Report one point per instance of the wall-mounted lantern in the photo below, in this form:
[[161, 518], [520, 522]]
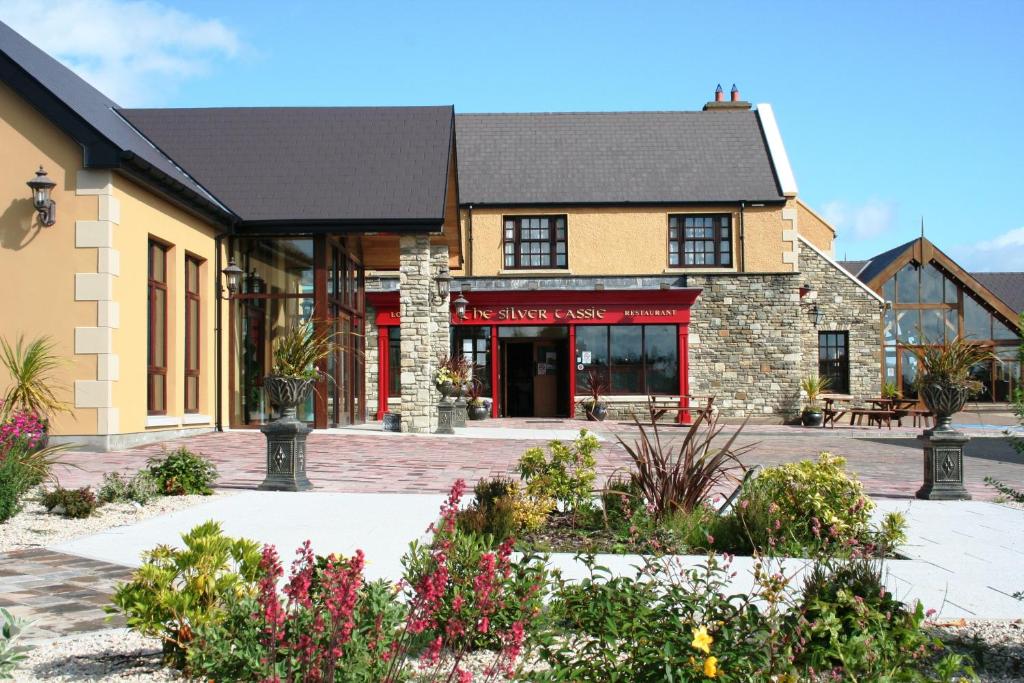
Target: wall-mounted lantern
[[460, 306], [232, 276], [41, 187], [809, 298], [444, 288]]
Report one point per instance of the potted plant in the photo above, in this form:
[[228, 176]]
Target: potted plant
[[814, 386], [31, 399], [594, 404], [944, 379], [890, 391], [452, 376], [476, 408], [294, 370]]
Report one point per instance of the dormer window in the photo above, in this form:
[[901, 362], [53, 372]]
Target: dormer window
[[699, 241]]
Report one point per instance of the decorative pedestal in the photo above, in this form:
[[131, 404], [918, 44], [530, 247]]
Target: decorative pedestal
[[445, 416], [460, 413], [286, 454], [943, 465], [392, 422]]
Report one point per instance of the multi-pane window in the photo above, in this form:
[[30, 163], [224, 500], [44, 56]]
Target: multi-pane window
[[192, 330], [473, 344], [695, 241], [156, 338], [629, 359], [535, 242], [834, 361], [394, 361]]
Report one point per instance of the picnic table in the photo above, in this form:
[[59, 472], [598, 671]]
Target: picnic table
[[687, 404]]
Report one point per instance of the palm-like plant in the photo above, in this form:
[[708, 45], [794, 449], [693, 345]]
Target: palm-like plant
[[298, 351], [671, 478], [950, 365], [814, 386], [33, 386]]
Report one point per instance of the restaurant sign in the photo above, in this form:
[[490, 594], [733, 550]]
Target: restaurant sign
[[610, 314]]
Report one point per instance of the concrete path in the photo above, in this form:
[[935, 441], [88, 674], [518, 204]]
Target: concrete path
[[966, 558]]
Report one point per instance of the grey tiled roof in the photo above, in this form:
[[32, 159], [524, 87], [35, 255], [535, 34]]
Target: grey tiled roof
[[853, 267], [876, 264], [88, 103], [303, 163], [615, 157], [1007, 286]]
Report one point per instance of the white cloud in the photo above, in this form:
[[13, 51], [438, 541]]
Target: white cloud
[[860, 221], [134, 51], [1004, 252]]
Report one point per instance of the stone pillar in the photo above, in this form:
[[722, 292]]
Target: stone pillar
[[440, 311], [419, 358]]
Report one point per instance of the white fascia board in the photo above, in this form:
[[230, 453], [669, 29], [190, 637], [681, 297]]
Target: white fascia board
[[777, 150], [844, 271]]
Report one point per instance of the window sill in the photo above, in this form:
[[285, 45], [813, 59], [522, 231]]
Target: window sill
[[536, 271], [195, 419], [162, 421], [698, 270]]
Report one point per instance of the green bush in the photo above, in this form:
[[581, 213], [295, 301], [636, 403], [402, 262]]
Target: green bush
[[805, 505], [14, 481], [567, 475], [176, 592], [73, 503], [10, 654], [183, 472], [140, 488]]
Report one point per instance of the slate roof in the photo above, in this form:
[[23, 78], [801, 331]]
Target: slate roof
[[853, 267], [614, 158], [312, 163], [89, 104], [876, 264], [1007, 286]]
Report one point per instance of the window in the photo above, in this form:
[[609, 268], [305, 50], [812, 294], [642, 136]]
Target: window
[[833, 360], [631, 359], [699, 241], [473, 343], [394, 362], [156, 339], [192, 330], [535, 242]]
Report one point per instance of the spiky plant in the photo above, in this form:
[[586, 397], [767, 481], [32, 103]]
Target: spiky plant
[[298, 351], [33, 386], [814, 386], [950, 364]]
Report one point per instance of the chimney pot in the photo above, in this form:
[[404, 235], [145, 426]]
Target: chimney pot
[[734, 94], [719, 94]]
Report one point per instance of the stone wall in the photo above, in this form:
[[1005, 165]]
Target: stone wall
[[372, 359], [419, 361], [844, 306], [745, 343]]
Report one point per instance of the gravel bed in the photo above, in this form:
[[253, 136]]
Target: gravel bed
[[114, 655], [34, 526], [995, 645]]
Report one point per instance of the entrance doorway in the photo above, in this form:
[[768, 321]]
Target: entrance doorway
[[534, 372]]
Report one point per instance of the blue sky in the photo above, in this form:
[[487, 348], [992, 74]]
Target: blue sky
[[889, 110]]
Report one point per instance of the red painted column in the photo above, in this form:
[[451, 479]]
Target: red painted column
[[383, 371], [572, 371], [684, 374], [495, 360]]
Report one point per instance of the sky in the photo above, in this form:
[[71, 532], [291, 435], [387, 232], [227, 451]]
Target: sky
[[891, 112]]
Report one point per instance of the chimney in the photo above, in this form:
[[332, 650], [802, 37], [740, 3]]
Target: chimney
[[734, 103]]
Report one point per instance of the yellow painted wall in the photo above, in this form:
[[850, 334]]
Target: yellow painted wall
[[38, 265], [815, 229], [624, 241], [145, 215]]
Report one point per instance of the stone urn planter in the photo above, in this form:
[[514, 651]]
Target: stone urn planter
[[447, 389], [477, 411], [596, 412], [812, 418], [944, 400], [286, 436]]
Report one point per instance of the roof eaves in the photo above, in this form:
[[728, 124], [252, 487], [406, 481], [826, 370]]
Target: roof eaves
[[777, 150]]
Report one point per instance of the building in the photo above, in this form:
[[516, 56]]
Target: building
[[932, 300], [667, 252]]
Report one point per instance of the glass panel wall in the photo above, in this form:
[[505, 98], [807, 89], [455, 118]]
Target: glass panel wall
[[631, 359]]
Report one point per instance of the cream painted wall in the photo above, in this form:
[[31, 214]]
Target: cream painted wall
[[38, 265], [817, 231], [145, 215], [626, 240]]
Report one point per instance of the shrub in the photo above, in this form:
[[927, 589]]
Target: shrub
[[501, 508], [31, 369], [176, 592], [11, 654], [805, 505], [671, 479], [183, 472], [566, 476], [71, 503], [14, 481], [140, 488], [1005, 490], [22, 425]]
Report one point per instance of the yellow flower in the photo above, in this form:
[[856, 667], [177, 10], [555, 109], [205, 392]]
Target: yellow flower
[[711, 667], [701, 640]]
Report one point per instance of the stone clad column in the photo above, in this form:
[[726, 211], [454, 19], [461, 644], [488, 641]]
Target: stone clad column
[[440, 311], [419, 360]]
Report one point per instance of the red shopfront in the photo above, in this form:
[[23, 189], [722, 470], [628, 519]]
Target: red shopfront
[[533, 348]]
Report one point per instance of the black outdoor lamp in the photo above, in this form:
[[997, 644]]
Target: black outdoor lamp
[[460, 306], [807, 291], [41, 187], [444, 287], [232, 275]]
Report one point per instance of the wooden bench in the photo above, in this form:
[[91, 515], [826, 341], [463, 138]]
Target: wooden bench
[[830, 412], [873, 415], [698, 405]]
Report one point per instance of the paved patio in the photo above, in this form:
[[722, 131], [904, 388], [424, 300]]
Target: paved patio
[[366, 460]]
